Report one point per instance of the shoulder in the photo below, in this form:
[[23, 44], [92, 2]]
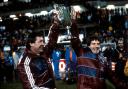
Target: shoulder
[[87, 49]]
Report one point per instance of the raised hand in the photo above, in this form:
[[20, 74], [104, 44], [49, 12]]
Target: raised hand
[[55, 19]]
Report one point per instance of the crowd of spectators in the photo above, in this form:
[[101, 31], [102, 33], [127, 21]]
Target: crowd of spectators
[[110, 26]]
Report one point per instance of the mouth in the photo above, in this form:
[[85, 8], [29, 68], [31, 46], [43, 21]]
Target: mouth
[[95, 50], [41, 48]]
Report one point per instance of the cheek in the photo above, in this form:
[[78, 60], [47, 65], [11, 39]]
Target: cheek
[[93, 46], [37, 46]]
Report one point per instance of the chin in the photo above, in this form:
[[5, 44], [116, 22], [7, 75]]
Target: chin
[[96, 52], [41, 51]]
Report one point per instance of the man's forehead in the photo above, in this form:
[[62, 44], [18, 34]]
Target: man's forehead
[[39, 38], [120, 42], [95, 41]]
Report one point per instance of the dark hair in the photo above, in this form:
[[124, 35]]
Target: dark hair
[[91, 38], [32, 38]]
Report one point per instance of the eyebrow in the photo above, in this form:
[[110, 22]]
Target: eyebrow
[[95, 43]]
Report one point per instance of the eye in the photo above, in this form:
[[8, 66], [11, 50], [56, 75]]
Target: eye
[[41, 41], [93, 43], [98, 43]]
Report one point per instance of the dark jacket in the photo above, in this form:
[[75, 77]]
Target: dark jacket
[[36, 71], [93, 69]]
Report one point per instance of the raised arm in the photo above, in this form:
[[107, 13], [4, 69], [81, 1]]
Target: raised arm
[[75, 41], [53, 35]]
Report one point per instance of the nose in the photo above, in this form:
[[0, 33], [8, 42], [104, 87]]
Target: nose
[[43, 43], [97, 46]]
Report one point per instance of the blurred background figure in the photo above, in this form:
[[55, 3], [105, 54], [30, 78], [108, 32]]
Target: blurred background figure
[[122, 58], [111, 54], [16, 56], [56, 56], [71, 61], [1, 64], [8, 64]]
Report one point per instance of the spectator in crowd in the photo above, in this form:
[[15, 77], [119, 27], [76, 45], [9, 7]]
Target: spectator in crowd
[[93, 68], [34, 66], [122, 58], [56, 56], [16, 56], [1, 64], [126, 68], [70, 57], [111, 54], [8, 64]]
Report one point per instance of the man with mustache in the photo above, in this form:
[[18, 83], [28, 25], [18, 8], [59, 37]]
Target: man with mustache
[[35, 70]]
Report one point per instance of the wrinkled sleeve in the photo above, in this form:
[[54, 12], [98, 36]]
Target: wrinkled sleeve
[[75, 41], [52, 38], [23, 76]]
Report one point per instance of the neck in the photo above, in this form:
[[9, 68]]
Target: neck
[[34, 52]]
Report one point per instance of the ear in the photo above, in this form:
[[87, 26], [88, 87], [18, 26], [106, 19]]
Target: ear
[[31, 44]]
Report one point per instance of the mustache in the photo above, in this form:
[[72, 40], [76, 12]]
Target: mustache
[[42, 46], [97, 48]]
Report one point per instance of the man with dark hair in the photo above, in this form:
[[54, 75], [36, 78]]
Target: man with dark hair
[[93, 68], [121, 59], [34, 66]]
